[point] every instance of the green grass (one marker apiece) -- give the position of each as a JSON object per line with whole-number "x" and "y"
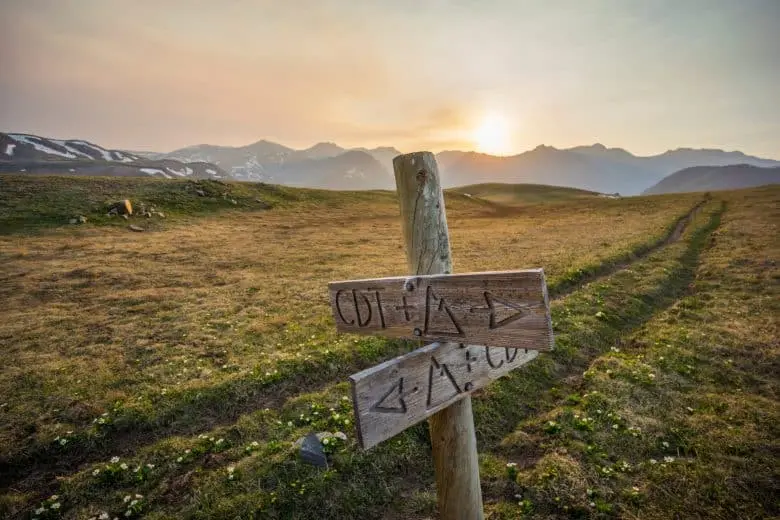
{"x": 216, "y": 326}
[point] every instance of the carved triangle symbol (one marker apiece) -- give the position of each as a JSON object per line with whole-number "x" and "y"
{"x": 509, "y": 312}
{"x": 441, "y": 384}
{"x": 439, "y": 320}
{"x": 394, "y": 394}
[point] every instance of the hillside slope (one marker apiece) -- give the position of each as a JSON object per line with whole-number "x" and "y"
{"x": 511, "y": 194}
{"x": 709, "y": 178}
{"x": 32, "y": 154}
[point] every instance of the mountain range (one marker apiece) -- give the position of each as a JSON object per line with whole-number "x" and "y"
{"x": 327, "y": 165}
{"x": 324, "y": 165}
{"x": 32, "y": 154}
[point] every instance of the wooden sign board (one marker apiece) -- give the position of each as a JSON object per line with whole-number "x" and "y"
{"x": 497, "y": 309}
{"x": 401, "y": 392}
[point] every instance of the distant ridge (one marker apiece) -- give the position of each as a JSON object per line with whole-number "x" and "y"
{"x": 32, "y": 154}
{"x": 327, "y": 165}
{"x": 713, "y": 178}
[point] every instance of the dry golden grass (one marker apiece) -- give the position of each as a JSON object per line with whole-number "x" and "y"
{"x": 95, "y": 315}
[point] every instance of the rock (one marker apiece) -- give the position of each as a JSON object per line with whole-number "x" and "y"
{"x": 125, "y": 217}
{"x": 133, "y": 227}
{"x": 82, "y": 219}
{"x": 263, "y": 204}
{"x": 113, "y": 211}
{"x": 72, "y": 221}
{"x": 311, "y": 451}
{"x": 161, "y": 214}
{"x": 233, "y": 201}
{"x": 201, "y": 193}
{"x": 122, "y": 208}
{"x": 148, "y": 215}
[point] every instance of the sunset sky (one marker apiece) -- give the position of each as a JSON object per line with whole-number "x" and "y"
{"x": 499, "y": 76}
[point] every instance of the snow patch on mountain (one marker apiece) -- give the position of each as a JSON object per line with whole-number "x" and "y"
{"x": 156, "y": 171}
{"x": 33, "y": 141}
{"x": 70, "y": 149}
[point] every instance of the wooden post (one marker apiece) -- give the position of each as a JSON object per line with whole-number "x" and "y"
{"x": 426, "y": 236}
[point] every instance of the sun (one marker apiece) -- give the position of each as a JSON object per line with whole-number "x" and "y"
{"x": 493, "y": 135}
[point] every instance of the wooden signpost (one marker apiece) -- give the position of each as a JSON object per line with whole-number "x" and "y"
{"x": 500, "y": 309}
{"x": 485, "y": 325}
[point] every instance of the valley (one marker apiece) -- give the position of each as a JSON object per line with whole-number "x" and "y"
{"x": 180, "y": 364}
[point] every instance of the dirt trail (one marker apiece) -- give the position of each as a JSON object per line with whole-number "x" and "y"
{"x": 607, "y": 269}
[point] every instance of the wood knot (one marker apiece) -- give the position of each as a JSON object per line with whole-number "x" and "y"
{"x": 421, "y": 176}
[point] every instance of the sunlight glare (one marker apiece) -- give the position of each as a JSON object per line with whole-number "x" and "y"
{"x": 492, "y": 136}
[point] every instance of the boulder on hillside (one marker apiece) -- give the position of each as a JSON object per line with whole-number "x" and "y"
{"x": 123, "y": 207}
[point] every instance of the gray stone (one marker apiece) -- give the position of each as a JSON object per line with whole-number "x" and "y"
{"x": 73, "y": 221}
{"x": 311, "y": 451}
{"x": 82, "y": 219}
{"x": 201, "y": 193}
{"x": 133, "y": 227}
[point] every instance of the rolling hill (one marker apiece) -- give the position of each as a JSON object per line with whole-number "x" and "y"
{"x": 713, "y": 178}
{"x": 514, "y": 194}
{"x": 35, "y": 155}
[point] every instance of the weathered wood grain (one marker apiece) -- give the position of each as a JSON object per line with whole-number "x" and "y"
{"x": 403, "y": 391}
{"x": 426, "y": 237}
{"x": 499, "y": 309}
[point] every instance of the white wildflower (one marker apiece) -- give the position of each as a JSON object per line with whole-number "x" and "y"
{"x": 114, "y": 460}
{"x": 55, "y": 505}
{"x": 668, "y": 459}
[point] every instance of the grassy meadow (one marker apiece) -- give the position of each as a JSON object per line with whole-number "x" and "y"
{"x": 168, "y": 373}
